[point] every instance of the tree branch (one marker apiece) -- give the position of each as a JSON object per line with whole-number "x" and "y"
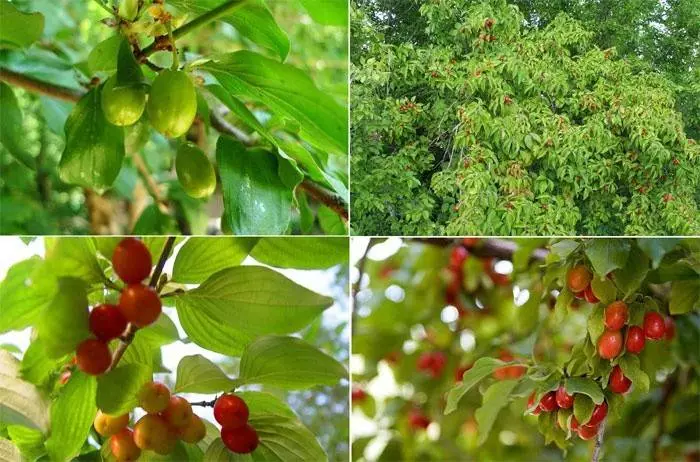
{"x": 331, "y": 200}
{"x": 150, "y": 183}
{"x": 598, "y": 442}
{"x": 128, "y": 337}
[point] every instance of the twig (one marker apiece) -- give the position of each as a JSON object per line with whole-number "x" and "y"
{"x": 205, "y": 403}
{"x": 38, "y": 86}
{"x": 150, "y": 183}
{"x": 327, "y": 198}
{"x": 128, "y": 337}
{"x": 598, "y": 442}
{"x": 668, "y": 388}
{"x": 164, "y": 42}
{"x": 221, "y": 125}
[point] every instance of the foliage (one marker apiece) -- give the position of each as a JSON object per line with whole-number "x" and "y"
{"x": 266, "y": 76}
{"x": 265, "y": 327}
{"x": 495, "y": 128}
{"x": 506, "y": 325}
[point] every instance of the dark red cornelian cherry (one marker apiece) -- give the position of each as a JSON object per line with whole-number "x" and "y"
{"x": 107, "y": 322}
{"x": 548, "y": 403}
{"x": 654, "y": 325}
{"x": 132, "y": 260}
{"x": 564, "y": 400}
{"x": 610, "y": 344}
{"x": 635, "y": 340}
{"x": 616, "y": 315}
{"x": 599, "y": 413}
{"x": 231, "y": 411}
{"x": 617, "y": 382}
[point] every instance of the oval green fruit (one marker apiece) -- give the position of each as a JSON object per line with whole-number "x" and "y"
{"x": 194, "y": 171}
{"x": 172, "y": 104}
{"x": 128, "y": 9}
{"x": 122, "y": 106}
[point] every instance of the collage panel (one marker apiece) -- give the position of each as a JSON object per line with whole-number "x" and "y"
{"x": 156, "y": 117}
{"x": 174, "y": 349}
{"x": 525, "y": 118}
{"x": 529, "y": 349}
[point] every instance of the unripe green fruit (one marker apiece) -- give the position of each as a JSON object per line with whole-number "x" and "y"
{"x": 195, "y": 171}
{"x": 122, "y": 106}
{"x": 128, "y": 9}
{"x": 172, "y": 104}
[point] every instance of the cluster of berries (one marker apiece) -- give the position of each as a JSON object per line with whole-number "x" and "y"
{"x": 168, "y": 419}
{"x": 236, "y": 433}
{"x": 139, "y": 305}
{"x": 432, "y": 363}
{"x": 560, "y": 399}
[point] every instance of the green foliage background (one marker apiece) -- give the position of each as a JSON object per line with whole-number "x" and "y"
{"x": 538, "y": 124}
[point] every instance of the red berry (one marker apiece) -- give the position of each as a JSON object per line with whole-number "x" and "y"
{"x": 459, "y": 372}
{"x": 531, "y": 402}
{"x": 670, "y": 327}
{"x": 635, "y": 340}
{"x": 616, "y": 315}
{"x": 457, "y": 257}
{"x": 231, "y": 411}
{"x": 599, "y": 413}
{"x": 241, "y": 440}
{"x": 610, "y": 344}
{"x": 93, "y": 356}
{"x": 358, "y": 395}
{"x": 548, "y": 403}
{"x": 438, "y": 364}
{"x": 469, "y": 242}
{"x": 132, "y": 260}
{"x": 107, "y": 322}
{"x": 654, "y": 325}
{"x": 564, "y": 400}
{"x": 580, "y": 295}
{"x": 587, "y": 432}
{"x": 574, "y": 424}
{"x": 417, "y": 420}
{"x": 578, "y": 278}
{"x": 140, "y": 304}
{"x": 618, "y": 383}
{"x": 589, "y": 295}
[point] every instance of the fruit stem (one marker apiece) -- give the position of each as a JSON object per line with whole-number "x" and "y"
{"x": 176, "y": 58}
{"x": 199, "y": 21}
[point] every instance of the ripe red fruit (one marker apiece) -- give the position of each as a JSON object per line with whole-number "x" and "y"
{"x": 578, "y": 278}
{"x": 616, "y": 315}
{"x": 635, "y": 340}
{"x": 654, "y": 325}
{"x": 618, "y": 383}
{"x": 132, "y": 260}
{"x": 123, "y": 446}
{"x": 417, "y": 420}
{"x": 548, "y": 403}
{"x": 469, "y": 242}
{"x": 231, "y": 411}
{"x": 432, "y": 363}
{"x": 531, "y": 402}
{"x": 93, "y": 357}
{"x": 457, "y": 257}
{"x": 358, "y": 395}
{"x": 459, "y": 372}
{"x": 610, "y": 344}
{"x": 599, "y": 413}
{"x": 588, "y": 432}
{"x": 670, "y": 327}
{"x": 574, "y": 424}
{"x": 241, "y": 440}
{"x": 140, "y": 304}
{"x": 580, "y": 295}
{"x": 564, "y": 400}
{"x": 107, "y": 322}
{"x": 589, "y": 295}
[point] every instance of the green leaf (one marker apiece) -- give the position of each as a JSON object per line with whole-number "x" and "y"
{"x": 37, "y": 367}
{"x": 256, "y": 201}
{"x": 103, "y": 58}
{"x": 201, "y": 257}
{"x": 330, "y": 222}
{"x": 604, "y": 289}
{"x": 19, "y": 29}
{"x": 657, "y": 248}
{"x": 607, "y": 254}
{"x": 276, "y": 306}
{"x": 196, "y": 374}
{"x": 71, "y": 415}
{"x": 482, "y": 368}
{"x": 252, "y": 20}
{"x": 94, "y": 148}
{"x": 207, "y": 332}
{"x": 585, "y": 386}
{"x": 29, "y": 441}
{"x": 287, "y": 363}
{"x": 301, "y": 155}
{"x": 20, "y": 397}
{"x": 583, "y": 408}
{"x": 283, "y": 439}
{"x": 632, "y": 370}
{"x": 329, "y": 12}
{"x": 154, "y": 222}
{"x": 12, "y": 134}
{"x": 77, "y": 258}
{"x": 117, "y": 391}
{"x": 629, "y": 278}
{"x": 596, "y": 322}
{"x": 301, "y": 252}
{"x": 564, "y": 248}
{"x": 496, "y": 398}
{"x": 128, "y": 69}
{"x": 64, "y": 322}
{"x": 685, "y": 296}
{"x": 287, "y": 91}
{"x": 25, "y": 292}
{"x": 241, "y": 111}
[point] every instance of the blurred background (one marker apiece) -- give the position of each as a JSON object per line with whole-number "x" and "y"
{"x": 414, "y": 335}
{"x": 39, "y": 203}
{"x": 323, "y": 409}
